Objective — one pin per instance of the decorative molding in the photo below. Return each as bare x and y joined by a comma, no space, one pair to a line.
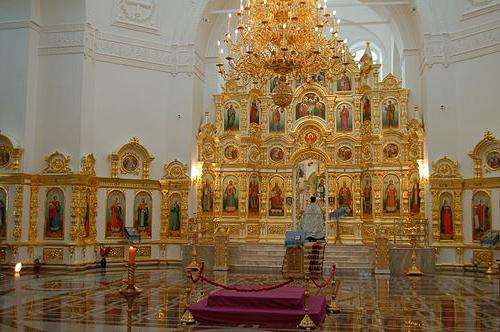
480,8
448,48
137,15
107,47
12,25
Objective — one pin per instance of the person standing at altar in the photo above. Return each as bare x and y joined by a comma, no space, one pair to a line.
312,222
446,215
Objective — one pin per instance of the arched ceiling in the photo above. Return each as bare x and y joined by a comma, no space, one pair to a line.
381,21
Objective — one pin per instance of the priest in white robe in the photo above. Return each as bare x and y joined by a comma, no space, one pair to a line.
313,222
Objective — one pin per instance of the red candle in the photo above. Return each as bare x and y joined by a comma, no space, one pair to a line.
132,252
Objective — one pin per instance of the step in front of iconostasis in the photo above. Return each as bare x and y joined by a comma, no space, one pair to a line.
269,257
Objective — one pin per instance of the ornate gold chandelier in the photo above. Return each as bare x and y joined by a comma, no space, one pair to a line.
282,38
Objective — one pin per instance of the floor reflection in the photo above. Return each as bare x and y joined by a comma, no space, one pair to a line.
90,301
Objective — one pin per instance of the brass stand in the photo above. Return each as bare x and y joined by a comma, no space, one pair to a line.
337,234
130,292
491,268
188,318
332,306
414,270
306,323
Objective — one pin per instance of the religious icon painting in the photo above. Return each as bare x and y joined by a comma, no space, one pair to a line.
390,151
414,194
310,105
253,196
273,83
289,201
344,118
493,160
276,197
54,214
344,195
446,216
3,213
115,214
174,215
230,196
344,153
310,137
366,109
276,154
231,116
254,154
143,213
254,111
276,120
390,114
481,214
130,164
367,195
344,83
4,155
231,152
207,194
391,196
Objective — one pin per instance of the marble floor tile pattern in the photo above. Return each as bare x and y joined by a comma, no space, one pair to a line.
89,301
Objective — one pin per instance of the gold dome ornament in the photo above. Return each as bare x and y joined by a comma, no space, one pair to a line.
282,94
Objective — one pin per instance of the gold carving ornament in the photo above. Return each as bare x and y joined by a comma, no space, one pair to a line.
53,255
132,158
489,144
57,163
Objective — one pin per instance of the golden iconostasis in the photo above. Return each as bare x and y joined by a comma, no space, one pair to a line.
347,141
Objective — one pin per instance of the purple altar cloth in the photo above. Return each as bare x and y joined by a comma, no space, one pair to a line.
281,298
279,308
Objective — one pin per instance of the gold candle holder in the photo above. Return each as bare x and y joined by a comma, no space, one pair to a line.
491,267
414,270
130,293
332,306
188,318
306,323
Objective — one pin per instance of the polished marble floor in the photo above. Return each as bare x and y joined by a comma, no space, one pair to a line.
89,301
